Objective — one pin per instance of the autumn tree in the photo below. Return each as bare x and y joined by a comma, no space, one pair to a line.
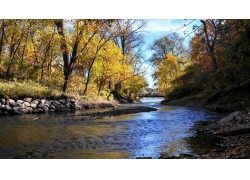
129,39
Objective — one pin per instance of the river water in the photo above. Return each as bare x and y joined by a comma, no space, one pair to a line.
147,134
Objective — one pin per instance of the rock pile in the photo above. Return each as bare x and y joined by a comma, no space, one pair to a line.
29,105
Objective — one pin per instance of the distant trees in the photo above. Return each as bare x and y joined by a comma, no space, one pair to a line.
219,59
169,56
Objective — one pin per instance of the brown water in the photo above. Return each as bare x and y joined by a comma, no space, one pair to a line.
166,130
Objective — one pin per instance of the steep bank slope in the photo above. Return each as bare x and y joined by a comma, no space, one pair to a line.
220,100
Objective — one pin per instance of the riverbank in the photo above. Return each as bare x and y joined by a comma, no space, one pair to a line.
232,132
232,136
56,104
219,100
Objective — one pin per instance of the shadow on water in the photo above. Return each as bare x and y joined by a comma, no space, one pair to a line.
147,134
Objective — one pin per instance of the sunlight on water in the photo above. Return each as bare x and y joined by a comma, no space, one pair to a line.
127,136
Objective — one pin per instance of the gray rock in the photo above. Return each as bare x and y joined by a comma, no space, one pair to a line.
40,105
43,101
45,108
26,104
29,109
12,103
6,113
25,111
51,110
72,100
3,101
63,107
67,105
48,102
8,108
19,102
2,107
33,105
35,102
62,101
56,103
17,112
38,110
52,107
17,108
27,99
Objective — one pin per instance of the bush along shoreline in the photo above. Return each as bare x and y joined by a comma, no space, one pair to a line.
29,105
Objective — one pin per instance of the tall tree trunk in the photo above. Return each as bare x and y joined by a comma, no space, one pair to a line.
67,61
88,76
1,40
210,44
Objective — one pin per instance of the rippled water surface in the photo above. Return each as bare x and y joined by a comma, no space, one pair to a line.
149,134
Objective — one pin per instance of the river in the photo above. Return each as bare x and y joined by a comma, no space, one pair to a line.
147,134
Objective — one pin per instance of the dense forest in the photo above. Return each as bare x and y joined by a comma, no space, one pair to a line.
88,58
103,58
216,63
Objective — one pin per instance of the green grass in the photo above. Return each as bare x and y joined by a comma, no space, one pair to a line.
16,90
25,89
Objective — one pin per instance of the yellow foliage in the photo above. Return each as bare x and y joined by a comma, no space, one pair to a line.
167,71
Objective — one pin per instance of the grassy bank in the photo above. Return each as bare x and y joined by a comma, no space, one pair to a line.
10,89
20,90
220,100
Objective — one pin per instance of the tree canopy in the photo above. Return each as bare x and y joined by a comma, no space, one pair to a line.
89,57
217,58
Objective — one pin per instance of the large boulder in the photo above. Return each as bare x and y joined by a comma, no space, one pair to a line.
20,102
26,104
17,108
2,101
38,110
25,111
8,108
56,103
33,105
30,109
45,108
62,101
2,107
52,107
27,99
47,102
40,105
34,102
12,103
43,101
67,105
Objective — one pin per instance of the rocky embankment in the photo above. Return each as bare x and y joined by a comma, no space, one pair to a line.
29,105
232,133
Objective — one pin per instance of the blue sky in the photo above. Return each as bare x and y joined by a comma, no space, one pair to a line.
157,28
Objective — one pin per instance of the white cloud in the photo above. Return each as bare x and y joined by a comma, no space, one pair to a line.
168,25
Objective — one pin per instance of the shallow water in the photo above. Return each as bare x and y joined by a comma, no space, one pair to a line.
147,134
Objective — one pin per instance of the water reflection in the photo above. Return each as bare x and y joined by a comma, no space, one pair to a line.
126,136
